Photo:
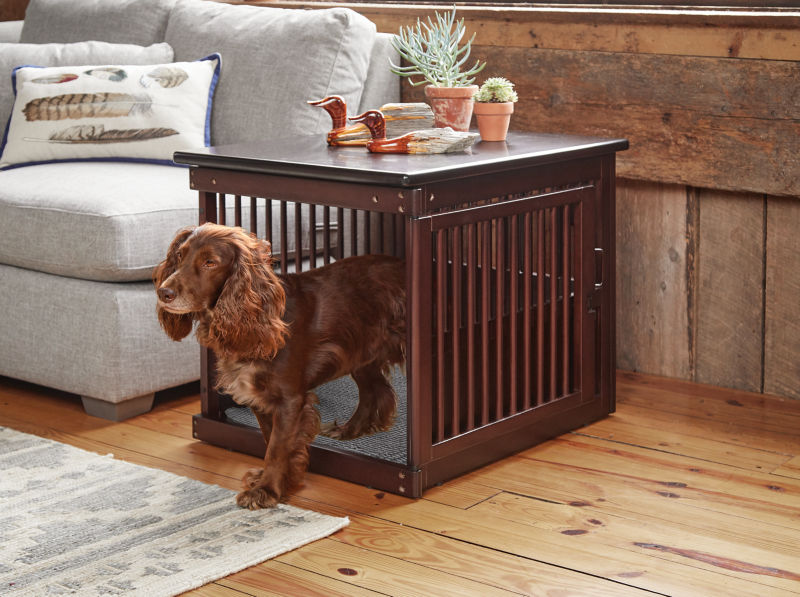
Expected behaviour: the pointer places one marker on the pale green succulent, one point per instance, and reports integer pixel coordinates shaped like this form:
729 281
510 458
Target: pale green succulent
432 51
496 89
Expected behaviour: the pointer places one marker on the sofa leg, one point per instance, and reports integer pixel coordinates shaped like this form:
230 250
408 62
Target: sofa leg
118 411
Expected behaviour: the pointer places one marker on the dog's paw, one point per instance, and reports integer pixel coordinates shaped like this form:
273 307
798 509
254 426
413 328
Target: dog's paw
251 478
256 498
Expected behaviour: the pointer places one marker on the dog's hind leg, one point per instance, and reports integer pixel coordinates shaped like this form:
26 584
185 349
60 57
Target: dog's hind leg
377 405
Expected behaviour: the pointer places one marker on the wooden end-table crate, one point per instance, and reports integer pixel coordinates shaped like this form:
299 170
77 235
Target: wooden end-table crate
510 283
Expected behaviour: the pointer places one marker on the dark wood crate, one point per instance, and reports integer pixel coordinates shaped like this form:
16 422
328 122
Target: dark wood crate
510 261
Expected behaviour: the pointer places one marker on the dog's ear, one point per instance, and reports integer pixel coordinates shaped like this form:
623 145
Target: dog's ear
247 316
176 325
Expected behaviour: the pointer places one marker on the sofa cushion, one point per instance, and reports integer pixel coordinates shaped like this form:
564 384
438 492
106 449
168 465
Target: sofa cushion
275 59
142 113
86 52
140 22
109 221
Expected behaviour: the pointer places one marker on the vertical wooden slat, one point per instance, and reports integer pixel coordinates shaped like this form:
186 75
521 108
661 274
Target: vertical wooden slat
267 217
367 232
353 232
486 267
326 235
237 210
298 237
469 320
340 232
441 328
400 236
553 303
455 293
208 207
526 313
499 303
284 238
222 213
565 313
312 236
513 281
382 248
540 306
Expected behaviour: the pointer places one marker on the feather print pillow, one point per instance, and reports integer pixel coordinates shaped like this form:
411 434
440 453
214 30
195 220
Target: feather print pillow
110 112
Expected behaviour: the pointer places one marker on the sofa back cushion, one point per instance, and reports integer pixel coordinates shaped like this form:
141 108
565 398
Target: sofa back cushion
140 22
273 60
87 52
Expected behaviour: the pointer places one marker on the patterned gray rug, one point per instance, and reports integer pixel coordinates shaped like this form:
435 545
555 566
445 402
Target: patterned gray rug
74 522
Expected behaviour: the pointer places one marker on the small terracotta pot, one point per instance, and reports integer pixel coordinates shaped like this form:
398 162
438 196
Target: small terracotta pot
493 119
452 106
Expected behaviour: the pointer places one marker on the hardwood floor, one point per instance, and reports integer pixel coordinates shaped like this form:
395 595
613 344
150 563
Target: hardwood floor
686 490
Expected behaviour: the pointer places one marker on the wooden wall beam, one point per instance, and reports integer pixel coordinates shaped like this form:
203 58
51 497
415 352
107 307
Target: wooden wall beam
782 316
729 294
653 327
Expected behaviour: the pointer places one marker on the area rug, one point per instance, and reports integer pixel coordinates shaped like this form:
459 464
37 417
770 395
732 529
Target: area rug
75 522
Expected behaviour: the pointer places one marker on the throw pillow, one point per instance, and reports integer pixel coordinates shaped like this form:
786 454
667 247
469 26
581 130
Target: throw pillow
86 52
275 60
132 112
140 22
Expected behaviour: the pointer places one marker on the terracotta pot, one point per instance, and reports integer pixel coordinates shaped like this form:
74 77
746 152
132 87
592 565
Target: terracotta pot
493 119
452 106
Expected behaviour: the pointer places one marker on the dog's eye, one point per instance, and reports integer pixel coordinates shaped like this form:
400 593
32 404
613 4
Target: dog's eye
178 255
209 263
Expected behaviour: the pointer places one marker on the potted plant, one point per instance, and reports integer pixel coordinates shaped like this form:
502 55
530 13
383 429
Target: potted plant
494 104
434 53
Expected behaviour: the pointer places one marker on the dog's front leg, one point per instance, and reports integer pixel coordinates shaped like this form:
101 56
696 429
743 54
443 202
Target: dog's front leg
294 424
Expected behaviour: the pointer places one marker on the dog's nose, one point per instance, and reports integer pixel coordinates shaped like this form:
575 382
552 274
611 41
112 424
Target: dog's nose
167 295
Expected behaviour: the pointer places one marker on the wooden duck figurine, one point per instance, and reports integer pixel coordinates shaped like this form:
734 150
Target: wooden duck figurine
400 118
431 140
341 133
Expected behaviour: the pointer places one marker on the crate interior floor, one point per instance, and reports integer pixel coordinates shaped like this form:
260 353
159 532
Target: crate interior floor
337 401
687 490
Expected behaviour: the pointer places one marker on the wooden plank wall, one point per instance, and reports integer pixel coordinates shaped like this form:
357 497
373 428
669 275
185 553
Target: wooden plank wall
12 10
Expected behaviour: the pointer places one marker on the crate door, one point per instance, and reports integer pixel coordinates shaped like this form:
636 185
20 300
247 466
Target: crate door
510 333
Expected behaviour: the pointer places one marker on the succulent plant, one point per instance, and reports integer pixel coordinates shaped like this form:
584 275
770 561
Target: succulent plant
432 51
496 89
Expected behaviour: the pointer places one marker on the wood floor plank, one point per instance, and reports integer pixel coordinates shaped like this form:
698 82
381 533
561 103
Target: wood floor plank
790 468
676 542
639 431
281 579
509 572
384 574
215 590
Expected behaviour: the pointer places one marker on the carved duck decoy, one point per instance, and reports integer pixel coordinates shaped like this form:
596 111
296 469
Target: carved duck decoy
341 133
431 140
400 118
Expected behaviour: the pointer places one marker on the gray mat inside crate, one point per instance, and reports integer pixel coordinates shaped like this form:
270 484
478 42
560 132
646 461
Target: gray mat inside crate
338 400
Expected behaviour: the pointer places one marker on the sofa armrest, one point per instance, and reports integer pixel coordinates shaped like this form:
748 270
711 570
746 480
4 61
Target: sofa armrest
10 31
381 86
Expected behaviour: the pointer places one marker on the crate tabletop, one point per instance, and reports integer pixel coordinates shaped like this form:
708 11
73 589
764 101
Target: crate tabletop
309 156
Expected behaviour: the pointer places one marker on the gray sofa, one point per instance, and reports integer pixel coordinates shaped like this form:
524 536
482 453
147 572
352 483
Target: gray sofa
78 240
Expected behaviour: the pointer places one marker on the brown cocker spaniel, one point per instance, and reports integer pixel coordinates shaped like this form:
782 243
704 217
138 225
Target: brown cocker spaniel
277 337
